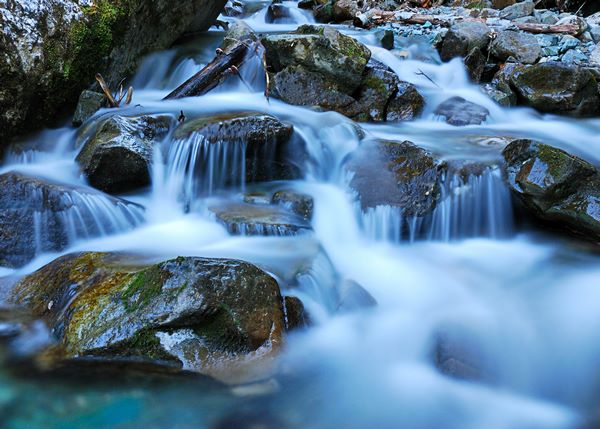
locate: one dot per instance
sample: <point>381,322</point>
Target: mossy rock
<point>218,317</point>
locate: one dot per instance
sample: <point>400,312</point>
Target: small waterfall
<point>475,205</point>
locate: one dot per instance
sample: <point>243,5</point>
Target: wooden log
<point>213,74</point>
<point>572,29</point>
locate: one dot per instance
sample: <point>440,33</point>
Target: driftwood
<point>112,100</point>
<point>214,73</point>
<point>378,17</point>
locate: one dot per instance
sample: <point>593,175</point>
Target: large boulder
<point>265,146</point>
<point>524,47</point>
<point>40,216</point>
<point>555,186</point>
<point>50,50</point>
<point>397,174</point>
<point>219,317</point>
<point>556,88</point>
<point>118,156</point>
<point>463,37</point>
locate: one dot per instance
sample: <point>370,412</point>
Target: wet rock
<point>296,202</point>
<point>500,97</point>
<point>295,314</point>
<point>475,63</point>
<point>352,297</point>
<point>322,50</point>
<point>344,10</point>
<point>518,10</point>
<point>555,186</point>
<point>276,12</point>
<point>251,219</point>
<point>456,355</point>
<point>118,157</point>
<point>218,317</point>
<point>89,103</point>
<point>407,104</point>
<point>271,152</point>
<point>557,88</point>
<point>463,38</point>
<point>52,50</point>
<point>42,216</point>
<point>460,112</point>
<point>523,47</point>
<point>234,8</point>
<point>397,174</point>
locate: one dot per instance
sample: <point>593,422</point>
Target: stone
<point>595,55</point>
<point>523,47</point>
<point>396,174</point>
<point>407,104</point>
<point>52,49</point>
<point>252,219</point>
<point>460,112</point>
<point>475,64</point>
<point>294,201</point>
<point>353,297</point>
<point>518,10</point>
<point>462,38</point>
<point>502,98</point>
<point>89,103</point>
<point>556,88</point>
<point>276,12</point>
<point>43,216</point>
<point>555,186</point>
<point>219,317</point>
<point>118,156</point>
<point>295,314</point>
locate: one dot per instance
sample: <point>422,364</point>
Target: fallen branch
<point>572,29</point>
<point>112,101</point>
<point>214,73</point>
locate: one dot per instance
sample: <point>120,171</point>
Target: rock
<point>546,17</point>
<point>53,49</point>
<point>344,10</point>
<point>296,202</point>
<point>555,186</point>
<point>352,297</point>
<point>595,56</point>
<point>457,356</point>
<point>237,32</point>
<point>462,38</point>
<point>386,39</point>
<point>276,12</point>
<point>219,317</point>
<point>406,105</point>
<point>501,4</point>
<point>475,64</point>
<point>118,157</point>
<point>518,10</point>
<point>295,314</point>
<point>460,112</point>
<point>271,152</point>
<point>321,50</point>
<point>42,216</point>
<point>574,56</point>
<point>397,174</point>
<point>89,103</point>
<point>502,98</point>
<point>251,219</point>
<point>522,46</point>
<point>556,88</point>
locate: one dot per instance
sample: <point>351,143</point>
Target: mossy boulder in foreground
<point>219,317</point>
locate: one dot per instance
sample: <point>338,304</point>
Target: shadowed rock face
<point>53,48</point>
<point>214,316</point>
<point>398,174</point>
<point>38,216</point>
<point>555,186</point>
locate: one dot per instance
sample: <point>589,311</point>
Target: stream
<point>524,302</point>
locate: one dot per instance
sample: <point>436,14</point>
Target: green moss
<point>143,287</point>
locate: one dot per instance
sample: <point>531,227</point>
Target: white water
<point>527,306</point>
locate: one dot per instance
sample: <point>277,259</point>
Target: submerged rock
<point>555,186</point>
<point>296,202</point>
<point>219,317</point>
<point>397,174</point>
<point>352,297</point>
<point>41,216</point>
<point>460,112</point>
<point>252,219</point>
<point>271,152</point>
<point>557,88</point>
<point>118,157</point>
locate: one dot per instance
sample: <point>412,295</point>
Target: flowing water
<point>524,304</point>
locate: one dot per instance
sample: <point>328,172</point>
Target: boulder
<point>270,151</point>
<point>41,216</point>
<point>557,88</point>
<point>555,186</point>
<point>219,317</point>
<point>460,112</point>
<point>462,38</point>
<point>523,47</point>
<point>397,174</point>
<point>518,10</point>
<point>89,103</point>
<point>253,219</point>
<point>118,156</point>
<point>322,50</point>
<point>295,314</point>
<point>475,63</point>
<point>294,201</point>
<point>52,50</point>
